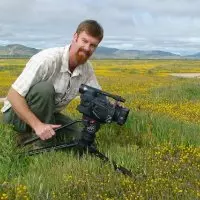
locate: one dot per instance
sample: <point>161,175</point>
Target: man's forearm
<point>21,108</point>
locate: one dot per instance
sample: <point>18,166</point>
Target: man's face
<point>85,46</point>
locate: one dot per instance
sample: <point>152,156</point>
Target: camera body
<point>95,105</point>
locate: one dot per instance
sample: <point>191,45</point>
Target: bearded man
<point>49,81</point>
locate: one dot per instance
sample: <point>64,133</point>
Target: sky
<point>167,25</point>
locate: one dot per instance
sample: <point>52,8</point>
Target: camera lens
<point>121,115</point>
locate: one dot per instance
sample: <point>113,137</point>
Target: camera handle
<point>33,139</point>
<point>88,136</point>
<point>89,131</point>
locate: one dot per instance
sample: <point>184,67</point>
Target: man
<point>50,80</point>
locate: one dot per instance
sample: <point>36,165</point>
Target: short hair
<point>91,27</point>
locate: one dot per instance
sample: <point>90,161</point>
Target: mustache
<point>85,51</point>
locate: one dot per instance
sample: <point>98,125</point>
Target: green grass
<point>162,152</point>
<point>156,148</point>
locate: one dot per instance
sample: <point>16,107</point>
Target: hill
<point>17,50</point>
<point>104,52</point>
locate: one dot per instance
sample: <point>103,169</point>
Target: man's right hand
<point>46,131</point>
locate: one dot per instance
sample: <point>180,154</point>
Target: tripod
<point>85,144</point>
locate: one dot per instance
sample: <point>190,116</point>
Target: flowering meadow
<point>160,142</point>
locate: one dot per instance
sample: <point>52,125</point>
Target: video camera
<point>95,105</point>
<point>97,109</point>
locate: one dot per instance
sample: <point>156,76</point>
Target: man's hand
<point>46,131</point>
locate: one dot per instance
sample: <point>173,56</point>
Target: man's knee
<point>41,101</point>
<point>42,91</point>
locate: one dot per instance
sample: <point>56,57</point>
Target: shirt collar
<point>65,63</point>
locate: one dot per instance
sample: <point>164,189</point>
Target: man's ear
<point>75,37</point>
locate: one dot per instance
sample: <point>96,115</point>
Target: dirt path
<point>187,75</point>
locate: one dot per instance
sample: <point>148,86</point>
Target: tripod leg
<point>103,157</point>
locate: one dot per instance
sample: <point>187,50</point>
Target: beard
<point>82,56</point>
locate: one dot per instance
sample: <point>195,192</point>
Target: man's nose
<point>87,47</point>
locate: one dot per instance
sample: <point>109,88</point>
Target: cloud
<point>14,11</point>
<point>129,24</point>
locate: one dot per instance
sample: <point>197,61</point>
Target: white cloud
<point>130,24</point>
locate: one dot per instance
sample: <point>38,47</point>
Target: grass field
<point>159,143</point>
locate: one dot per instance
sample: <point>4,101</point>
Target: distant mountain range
<point>17,50</point>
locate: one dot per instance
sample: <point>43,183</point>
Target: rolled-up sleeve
<point>33,72</point>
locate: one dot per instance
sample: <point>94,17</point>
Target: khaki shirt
<point>51,65</point>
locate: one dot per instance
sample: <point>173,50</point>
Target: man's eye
<point>94,46</point>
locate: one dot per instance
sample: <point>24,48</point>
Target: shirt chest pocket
<point>61,84</point>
